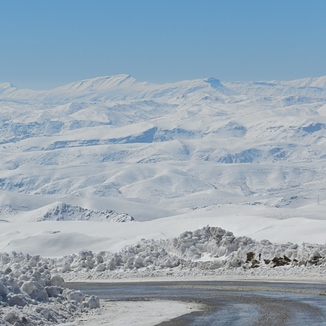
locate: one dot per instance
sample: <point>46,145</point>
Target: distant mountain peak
<point>99,83</point>
<point>7,87</point>
<point>215,83</point>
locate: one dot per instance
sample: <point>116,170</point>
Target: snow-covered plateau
<point>111,178</point>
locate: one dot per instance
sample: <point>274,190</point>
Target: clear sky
<point>47,43</point>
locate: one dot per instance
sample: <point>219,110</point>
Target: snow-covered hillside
<point>151,151</point>
<point>117,137</point>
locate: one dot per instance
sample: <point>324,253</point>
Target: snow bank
<point>31,295</point>
<point>32,291</point>
<point>210,249</point>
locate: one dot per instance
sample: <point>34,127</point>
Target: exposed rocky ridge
<point>65,212</point>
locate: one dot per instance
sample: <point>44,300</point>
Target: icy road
<point>227,303</point>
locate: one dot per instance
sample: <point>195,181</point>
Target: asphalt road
<point>227,303</point>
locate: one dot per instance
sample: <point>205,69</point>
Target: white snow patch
<point>121,313</point>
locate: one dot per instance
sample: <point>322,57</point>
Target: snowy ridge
<point>98,84</point>
<point>6,88</point>
<point>118,88</point>
<point>319,82</point>
<point>305,87</point>
<point>63,212</point>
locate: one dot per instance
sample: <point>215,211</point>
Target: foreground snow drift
<point>31,295</point>
<point>206,249</point>
<point>210,248</point>
<point>32,291</point>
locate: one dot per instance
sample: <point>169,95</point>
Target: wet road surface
<point>226,303</point>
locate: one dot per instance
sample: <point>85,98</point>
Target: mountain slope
<point>160,150</point>
<point>305,87</point>
<point>118,88</point>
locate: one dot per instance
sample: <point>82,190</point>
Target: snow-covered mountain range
<point>184,159</point>
<point>154,150</point>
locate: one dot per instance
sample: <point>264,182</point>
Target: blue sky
<point>50,43</point>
